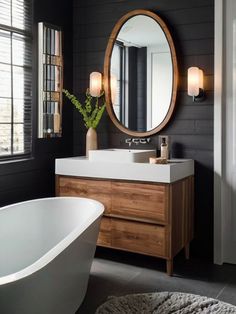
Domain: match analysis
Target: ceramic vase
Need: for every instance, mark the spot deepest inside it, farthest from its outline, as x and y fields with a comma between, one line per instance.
x=91, y=140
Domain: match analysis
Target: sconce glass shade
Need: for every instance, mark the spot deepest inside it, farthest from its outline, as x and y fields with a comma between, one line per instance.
x=95, y=84
x=195, y=81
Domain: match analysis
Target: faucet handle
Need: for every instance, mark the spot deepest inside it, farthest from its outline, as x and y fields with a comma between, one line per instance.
x=128, y=141
x=144, y=140
x=136, y=141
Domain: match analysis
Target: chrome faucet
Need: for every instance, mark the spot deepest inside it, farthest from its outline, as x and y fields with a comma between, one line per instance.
x=137, y=141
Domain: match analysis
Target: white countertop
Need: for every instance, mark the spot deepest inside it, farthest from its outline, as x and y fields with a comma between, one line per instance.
x=176, y=170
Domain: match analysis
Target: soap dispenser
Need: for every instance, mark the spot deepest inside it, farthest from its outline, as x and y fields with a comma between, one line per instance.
x=164, y=148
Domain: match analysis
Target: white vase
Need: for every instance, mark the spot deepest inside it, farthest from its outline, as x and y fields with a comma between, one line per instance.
x=91, y=140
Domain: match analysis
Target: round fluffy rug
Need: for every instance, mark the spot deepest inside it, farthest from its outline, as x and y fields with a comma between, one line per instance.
x=164, y=303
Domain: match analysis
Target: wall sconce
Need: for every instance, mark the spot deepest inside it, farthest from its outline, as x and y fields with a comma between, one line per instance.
x=195, y=84
x=95, y=84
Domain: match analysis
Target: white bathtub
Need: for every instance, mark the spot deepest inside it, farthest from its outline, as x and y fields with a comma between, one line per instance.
x=46, y=250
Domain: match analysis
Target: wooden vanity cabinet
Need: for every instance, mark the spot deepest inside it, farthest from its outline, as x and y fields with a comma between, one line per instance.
x=155, y=219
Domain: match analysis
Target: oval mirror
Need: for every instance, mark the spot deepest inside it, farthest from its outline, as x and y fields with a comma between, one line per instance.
x=140, y=74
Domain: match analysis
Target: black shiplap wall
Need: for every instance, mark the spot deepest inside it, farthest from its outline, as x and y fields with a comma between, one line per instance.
x=191, y=23
x=33, y=178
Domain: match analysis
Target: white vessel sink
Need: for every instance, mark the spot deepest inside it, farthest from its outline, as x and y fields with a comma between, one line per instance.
x=121, y=155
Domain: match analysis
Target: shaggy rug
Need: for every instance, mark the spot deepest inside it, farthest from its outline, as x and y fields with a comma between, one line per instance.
x=164, y=303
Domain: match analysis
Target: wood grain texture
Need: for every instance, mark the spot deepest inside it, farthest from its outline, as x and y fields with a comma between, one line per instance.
x=152, y=219
x=139, y=237
x=105, y=236
x=169, y=267
x=142, y=201
x=181, y=210
x=57, y=185
x=96, y=189
x=177, y=217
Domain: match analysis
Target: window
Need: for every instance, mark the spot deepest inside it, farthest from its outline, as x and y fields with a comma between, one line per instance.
x=119, y=64
x=120, y=71
x=15, y=78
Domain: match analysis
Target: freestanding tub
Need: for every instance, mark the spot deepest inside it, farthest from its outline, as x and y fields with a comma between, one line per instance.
x=46, y=251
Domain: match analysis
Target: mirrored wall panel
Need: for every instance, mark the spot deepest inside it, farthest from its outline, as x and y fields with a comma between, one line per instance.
x=50, y=75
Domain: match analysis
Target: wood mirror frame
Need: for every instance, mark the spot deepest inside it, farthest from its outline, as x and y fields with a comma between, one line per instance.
x=107, y=63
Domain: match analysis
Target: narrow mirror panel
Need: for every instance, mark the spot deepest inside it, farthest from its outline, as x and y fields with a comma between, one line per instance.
x=50, y=74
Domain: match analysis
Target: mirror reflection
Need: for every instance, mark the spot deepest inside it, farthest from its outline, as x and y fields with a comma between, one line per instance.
x=141, y=74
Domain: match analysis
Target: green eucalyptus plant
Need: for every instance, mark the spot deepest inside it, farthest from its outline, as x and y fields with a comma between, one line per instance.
x=91, y=111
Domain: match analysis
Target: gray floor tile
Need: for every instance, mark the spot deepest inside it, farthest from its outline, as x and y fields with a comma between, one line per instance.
x=124, y=272
x=107, y=278
x=157, y=281
x=117, y=273
x=228, y=294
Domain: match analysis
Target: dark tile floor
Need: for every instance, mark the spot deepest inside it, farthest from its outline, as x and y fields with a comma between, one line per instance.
x=119, y=273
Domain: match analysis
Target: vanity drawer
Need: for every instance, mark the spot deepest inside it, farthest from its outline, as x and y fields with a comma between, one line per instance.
x=139, y=237
x=146, y=202
x=96, y=189
x=104, y=237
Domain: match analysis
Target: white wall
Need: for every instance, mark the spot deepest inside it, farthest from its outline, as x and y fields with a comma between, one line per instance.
x=225, y=133
x=159, y=84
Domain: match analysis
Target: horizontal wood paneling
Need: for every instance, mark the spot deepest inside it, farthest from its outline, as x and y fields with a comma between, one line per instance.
x=33, y=178
x=172, y=4
x=191, y=23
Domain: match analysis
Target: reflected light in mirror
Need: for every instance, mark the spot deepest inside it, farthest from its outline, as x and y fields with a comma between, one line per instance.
x=195, y=81
x=95, y=84
x=113, y=82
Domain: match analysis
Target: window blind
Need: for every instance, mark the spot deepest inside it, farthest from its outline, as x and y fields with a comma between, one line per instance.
x=15, y=78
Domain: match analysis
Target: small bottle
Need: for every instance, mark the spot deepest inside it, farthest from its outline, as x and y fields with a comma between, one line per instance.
x=164, y=148
x=57, y=119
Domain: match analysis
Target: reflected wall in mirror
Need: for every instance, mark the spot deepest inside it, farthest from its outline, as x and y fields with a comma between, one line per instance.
x=141, y=70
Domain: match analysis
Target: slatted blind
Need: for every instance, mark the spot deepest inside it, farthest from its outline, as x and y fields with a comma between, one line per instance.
x=15, y=78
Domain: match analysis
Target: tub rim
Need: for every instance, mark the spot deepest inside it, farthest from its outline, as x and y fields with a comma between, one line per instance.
x=60, y=246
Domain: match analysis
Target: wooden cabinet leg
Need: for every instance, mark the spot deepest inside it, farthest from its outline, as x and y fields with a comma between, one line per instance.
x=169, y=267
x=186, y=249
